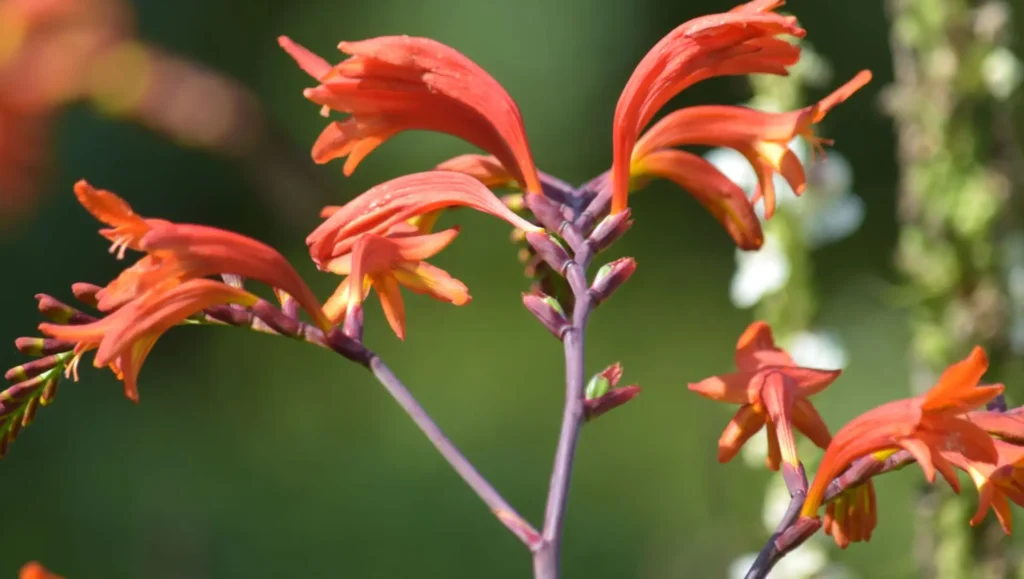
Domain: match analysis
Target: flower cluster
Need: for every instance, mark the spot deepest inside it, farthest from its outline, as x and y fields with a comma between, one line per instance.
x=382, y=241
x=944, y=429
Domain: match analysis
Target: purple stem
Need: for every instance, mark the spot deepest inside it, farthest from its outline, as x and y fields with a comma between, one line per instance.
x=264, y=317
x=546, y=558
x=487, y=493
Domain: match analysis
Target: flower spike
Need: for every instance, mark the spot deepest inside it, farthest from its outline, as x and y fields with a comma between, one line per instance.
x=392, y=84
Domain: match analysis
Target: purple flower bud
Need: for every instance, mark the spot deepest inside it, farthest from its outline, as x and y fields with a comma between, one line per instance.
x=61, y=313
x=34, y=368
x=551, y=215
x=549, y=250
x=276, y=320
x=609, y=230
x=610, y=277
x=549, y=312
x=43, y=346
x=85, y=293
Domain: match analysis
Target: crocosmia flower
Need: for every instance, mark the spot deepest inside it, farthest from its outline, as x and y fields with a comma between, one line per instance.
x=125, y=338
x=385, y=264
x=762, y=137
x=772, y=392
x=179, y=252
x=998, y=484
x=392, y=84
x=745, y=40
x=927, y=426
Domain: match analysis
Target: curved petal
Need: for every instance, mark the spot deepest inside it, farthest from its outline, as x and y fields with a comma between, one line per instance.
x=485, y=168
x=203, y=251
x=698, y=49
x=392, y=84
x=424, y=278
x=402, y=199
x=957, y=390
x=807, y=420
x=753, y=343
x=721, y=197
x=391, y=301
x=743, y=425
x=735, y=387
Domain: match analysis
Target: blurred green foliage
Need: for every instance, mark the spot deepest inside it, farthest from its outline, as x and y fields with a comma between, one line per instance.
x=255, y=457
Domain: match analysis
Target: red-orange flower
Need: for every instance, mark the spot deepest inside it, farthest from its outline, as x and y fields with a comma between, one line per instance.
x=385, y=263
x=997, y=484
x=926, y=426
x=772, y=391
x=762, y=137
x=392, y=84
x=742, y=41
x=397, y=201
x=34, y=570
x=125, y=337
x=179, y=252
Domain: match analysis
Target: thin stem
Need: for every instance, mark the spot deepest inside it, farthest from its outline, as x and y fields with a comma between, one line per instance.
x=547, y=556
x=266, y=318
x=487, y=493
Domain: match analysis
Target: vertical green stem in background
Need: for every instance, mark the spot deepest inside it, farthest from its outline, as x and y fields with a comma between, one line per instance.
x=955, y=215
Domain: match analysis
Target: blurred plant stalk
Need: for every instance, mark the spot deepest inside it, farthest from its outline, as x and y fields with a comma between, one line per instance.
x=959, y=205
x=55, y=53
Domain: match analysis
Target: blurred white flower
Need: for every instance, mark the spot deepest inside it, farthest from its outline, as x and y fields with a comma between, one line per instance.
x=1001, y=72
x=776, y=501
x=806, y=562
x=759, y=273
x=838, y=218
x=818, y=349
x=755, y=450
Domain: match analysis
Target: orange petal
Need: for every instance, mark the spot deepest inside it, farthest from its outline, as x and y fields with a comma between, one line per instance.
x=743, y=425
x=777, y=397
x=485, y=168
x=424, y=278
x=807, y=420
x=391, y=301
x=751, y=345
x=399, y=200
x=312, y=64
x=810, y=381
x=393, y=84
x=701, y=48
x=774, y=458
x=840, y=95
x=957, y=390
x=720, y=196
x=734, y=387
x=204, y=251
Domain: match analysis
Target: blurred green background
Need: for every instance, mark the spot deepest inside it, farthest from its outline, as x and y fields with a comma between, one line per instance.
x=258, y=457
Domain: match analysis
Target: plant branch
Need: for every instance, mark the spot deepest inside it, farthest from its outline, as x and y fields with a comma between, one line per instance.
x=546, y=561
x=266, y=318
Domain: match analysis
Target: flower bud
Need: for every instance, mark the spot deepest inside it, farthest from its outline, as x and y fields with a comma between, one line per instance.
x=552, y=215
x=61, y=313
x=612, y=399
x=549, y=250
x=609, y=230
x=610, y=277
x=34, y=368
x=549, y=312
x=86, y=293
x=277, y=320
x=43, y=346
x=604, y=381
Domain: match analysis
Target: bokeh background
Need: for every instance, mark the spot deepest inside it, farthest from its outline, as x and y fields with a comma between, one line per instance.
x=255, y=457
